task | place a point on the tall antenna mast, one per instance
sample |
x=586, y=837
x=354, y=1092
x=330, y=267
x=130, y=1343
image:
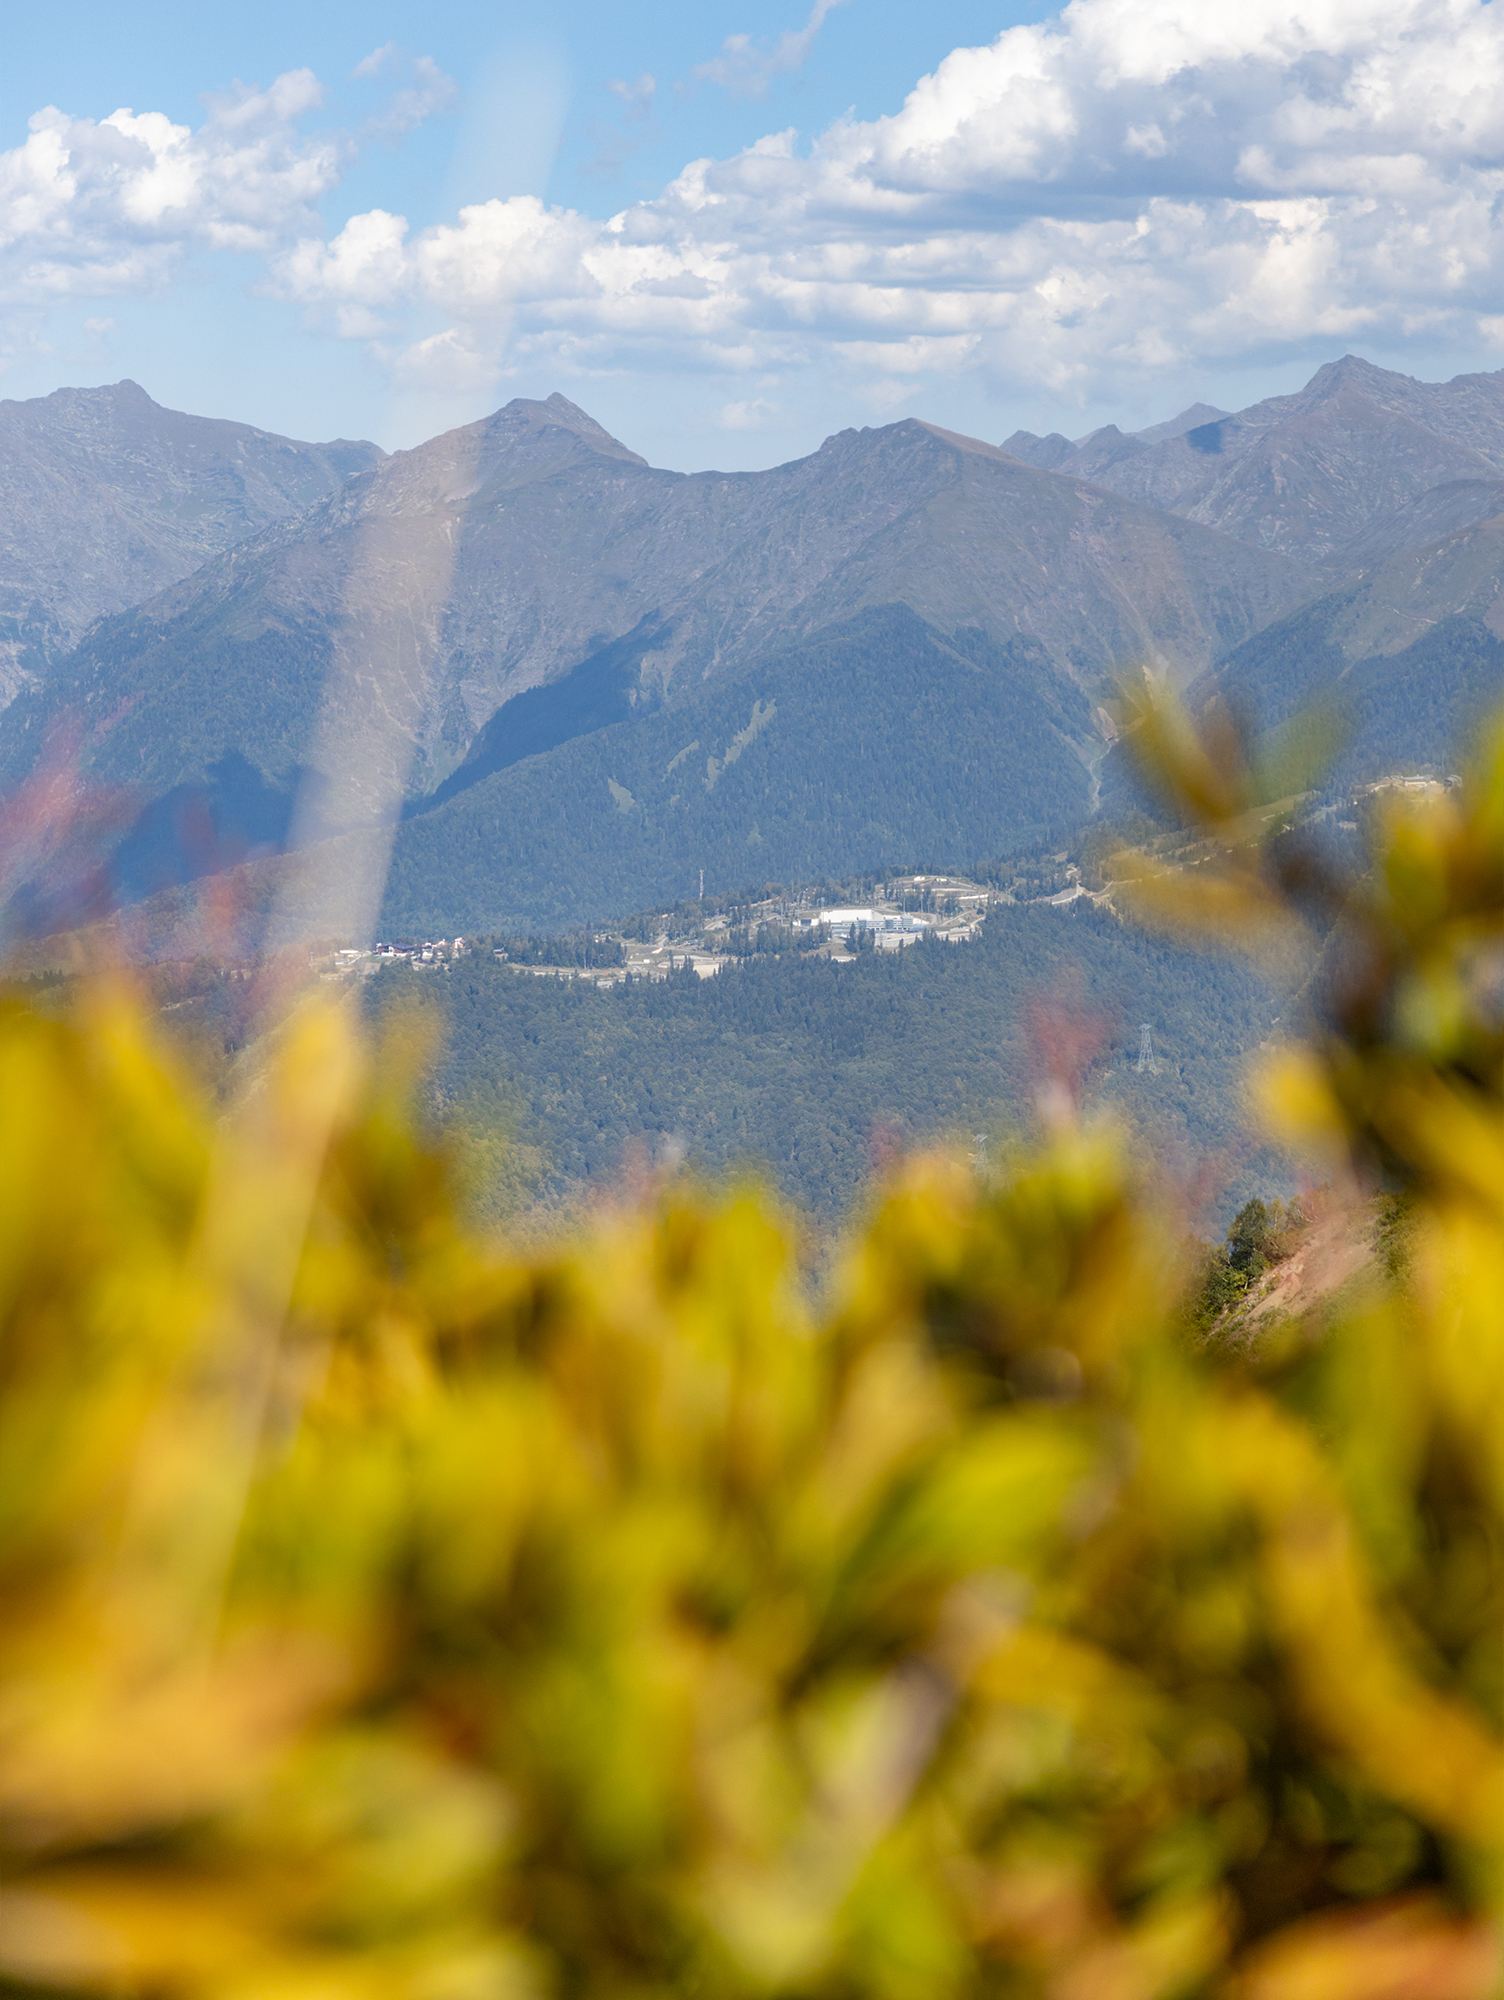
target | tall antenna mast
x=1146, y=1059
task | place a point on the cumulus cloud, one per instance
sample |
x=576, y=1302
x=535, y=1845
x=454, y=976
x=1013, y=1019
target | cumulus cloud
x=91, y=209
x=1138, y=186
x=746, y=70
x=100, y=208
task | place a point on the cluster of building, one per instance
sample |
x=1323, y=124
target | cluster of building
x=431, y=952
x=1397, y=783
x=890, y=929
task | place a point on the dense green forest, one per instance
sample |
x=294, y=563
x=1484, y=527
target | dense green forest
x=1410, y=710
x=759, y=775
x=1413, y=710
x=801, y=1067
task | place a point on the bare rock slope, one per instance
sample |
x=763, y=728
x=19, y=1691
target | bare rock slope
x=501, y=558
x=105, y=497
x=1358, y=465
x=566, y=668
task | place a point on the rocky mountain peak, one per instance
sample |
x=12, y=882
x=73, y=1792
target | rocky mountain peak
x=102, y=396
x=1192, y=419
x=1318, y=474
x=959, y=441
x=585, y=426
x=106, y=496
x=523, y=441
x=555, y=418
x=1353, y=372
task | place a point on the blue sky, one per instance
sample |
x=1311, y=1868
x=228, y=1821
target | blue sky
x=978, y=214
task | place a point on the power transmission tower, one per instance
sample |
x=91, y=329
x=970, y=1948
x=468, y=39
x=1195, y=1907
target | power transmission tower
x=1146, y=1059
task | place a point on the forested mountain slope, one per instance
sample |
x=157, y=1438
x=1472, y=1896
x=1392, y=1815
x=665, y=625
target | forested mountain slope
x=502, y=556
x=1408, y=657
x=871, y=744
x=106, y=497
x=797, y=1065
x=580, y=679
x=1415, y=711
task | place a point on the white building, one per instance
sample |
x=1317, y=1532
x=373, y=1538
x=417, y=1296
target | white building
x=846, y=921
x=889, y=929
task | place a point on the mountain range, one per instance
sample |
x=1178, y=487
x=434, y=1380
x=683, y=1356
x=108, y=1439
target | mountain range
x=577, y=679
x=1358, y=465
x=106, y=498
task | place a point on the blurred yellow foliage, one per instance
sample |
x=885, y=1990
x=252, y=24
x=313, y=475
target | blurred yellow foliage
x=385, y=1614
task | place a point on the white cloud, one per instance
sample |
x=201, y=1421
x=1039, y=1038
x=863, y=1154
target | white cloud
x=94, y=209
x=1140, y=186
x=101, y=208
x=746, y=70
x=1134, y=189
x=376, y=61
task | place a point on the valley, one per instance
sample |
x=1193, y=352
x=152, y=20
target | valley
x=752, y=1002
x=802, y=1067
x=841, y=733
x=561, y=682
